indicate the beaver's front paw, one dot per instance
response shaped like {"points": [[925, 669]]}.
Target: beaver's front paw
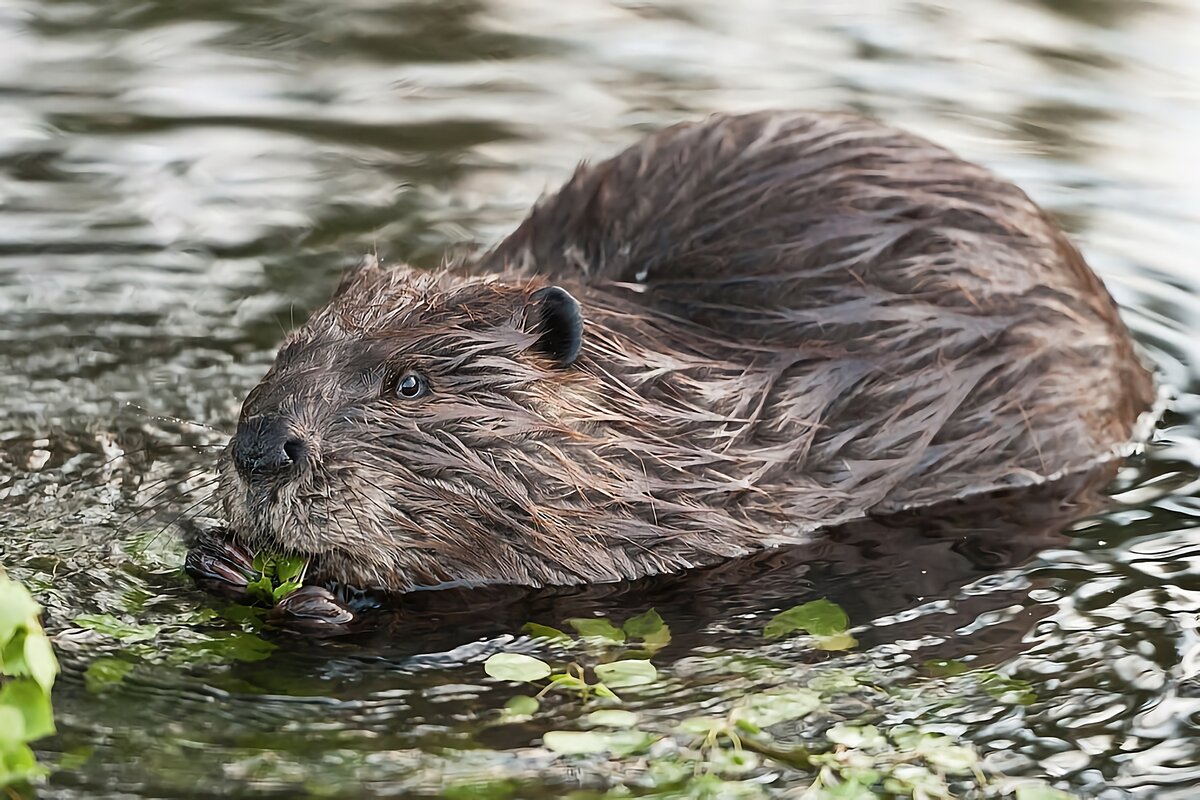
{"points": [[220, 565], [313, 609]]}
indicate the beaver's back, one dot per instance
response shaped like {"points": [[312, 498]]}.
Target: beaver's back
{"points": [[956, 340]]}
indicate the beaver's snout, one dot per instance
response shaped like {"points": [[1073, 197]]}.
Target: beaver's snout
{"points": [[265, 448]]}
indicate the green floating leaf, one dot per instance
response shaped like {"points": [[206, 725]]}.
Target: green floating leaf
{"points": [[596, 628], [12, 728], [74, 759], [770, 708], [248, 616], [746, 726], [18, 765], [521, 706], [40, 660], [818, 618], [650, 628], [701, 726], [568, 683], [643, 625], [105, 673], [18, 609], [954, 759], [12, 654], [836, 681], [27, 658], [1041, 791], [575, 743], [109, 625], [917, 781], [223, 648], [1001, 687], [856, 736], [578, 743], [630, 672], [516, 667], [732, 762], [663, 773], [545, 632], [603, 691], [837, 642], [612, 718], [242, 646], [1008, 690], [623, 743], [28, 699]]}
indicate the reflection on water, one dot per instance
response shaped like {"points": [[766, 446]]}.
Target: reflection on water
{"points": [[180, 182]]}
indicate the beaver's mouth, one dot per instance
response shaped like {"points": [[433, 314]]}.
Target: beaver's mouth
{"points": [[280, 520]]}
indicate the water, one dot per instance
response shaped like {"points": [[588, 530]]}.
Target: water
{"points": [[180, 182]]}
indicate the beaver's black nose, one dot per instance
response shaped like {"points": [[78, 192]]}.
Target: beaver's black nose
{"points": [[263, 447]]}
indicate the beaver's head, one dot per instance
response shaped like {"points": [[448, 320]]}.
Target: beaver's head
{"points": [[413, 432]]}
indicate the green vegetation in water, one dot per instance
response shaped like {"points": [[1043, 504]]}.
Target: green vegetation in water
{"points": [[276, 576], [736, 752], [826, 622], [174, 645], [631, 668], [1001, 687], [27, 671], [646, 630], [572, 679]]}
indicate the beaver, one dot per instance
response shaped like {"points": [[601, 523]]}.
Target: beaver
{"points": [[726, 338]]}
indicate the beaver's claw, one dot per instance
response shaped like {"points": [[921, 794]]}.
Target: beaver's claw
{"points": [[313, 609], [220, 565]]}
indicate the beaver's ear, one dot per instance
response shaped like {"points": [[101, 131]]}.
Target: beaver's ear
{"points": [[364, 270], [558, 323]]}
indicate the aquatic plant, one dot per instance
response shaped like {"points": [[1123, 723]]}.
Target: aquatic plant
{"points": [[27, 671], [276, 576], [740, 749]]}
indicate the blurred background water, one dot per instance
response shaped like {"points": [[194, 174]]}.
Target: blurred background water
{"points": [[181, 182]]}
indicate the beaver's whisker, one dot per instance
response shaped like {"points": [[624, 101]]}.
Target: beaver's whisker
{"points": [[150, 510], [125, 454], [182, 514], [138, 487], [187, 475], [177, 520], [178, 420], [170, 483]]}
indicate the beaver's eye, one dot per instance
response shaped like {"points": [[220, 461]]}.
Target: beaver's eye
{"points": [[410, 385]]}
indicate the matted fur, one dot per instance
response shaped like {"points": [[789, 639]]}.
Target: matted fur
{"points": [[792, 320]]}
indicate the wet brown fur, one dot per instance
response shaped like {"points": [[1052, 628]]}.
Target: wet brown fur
{"points": [[792, 320]]}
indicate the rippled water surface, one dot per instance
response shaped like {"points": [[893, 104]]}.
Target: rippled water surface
{"points": [[180, 182]]}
